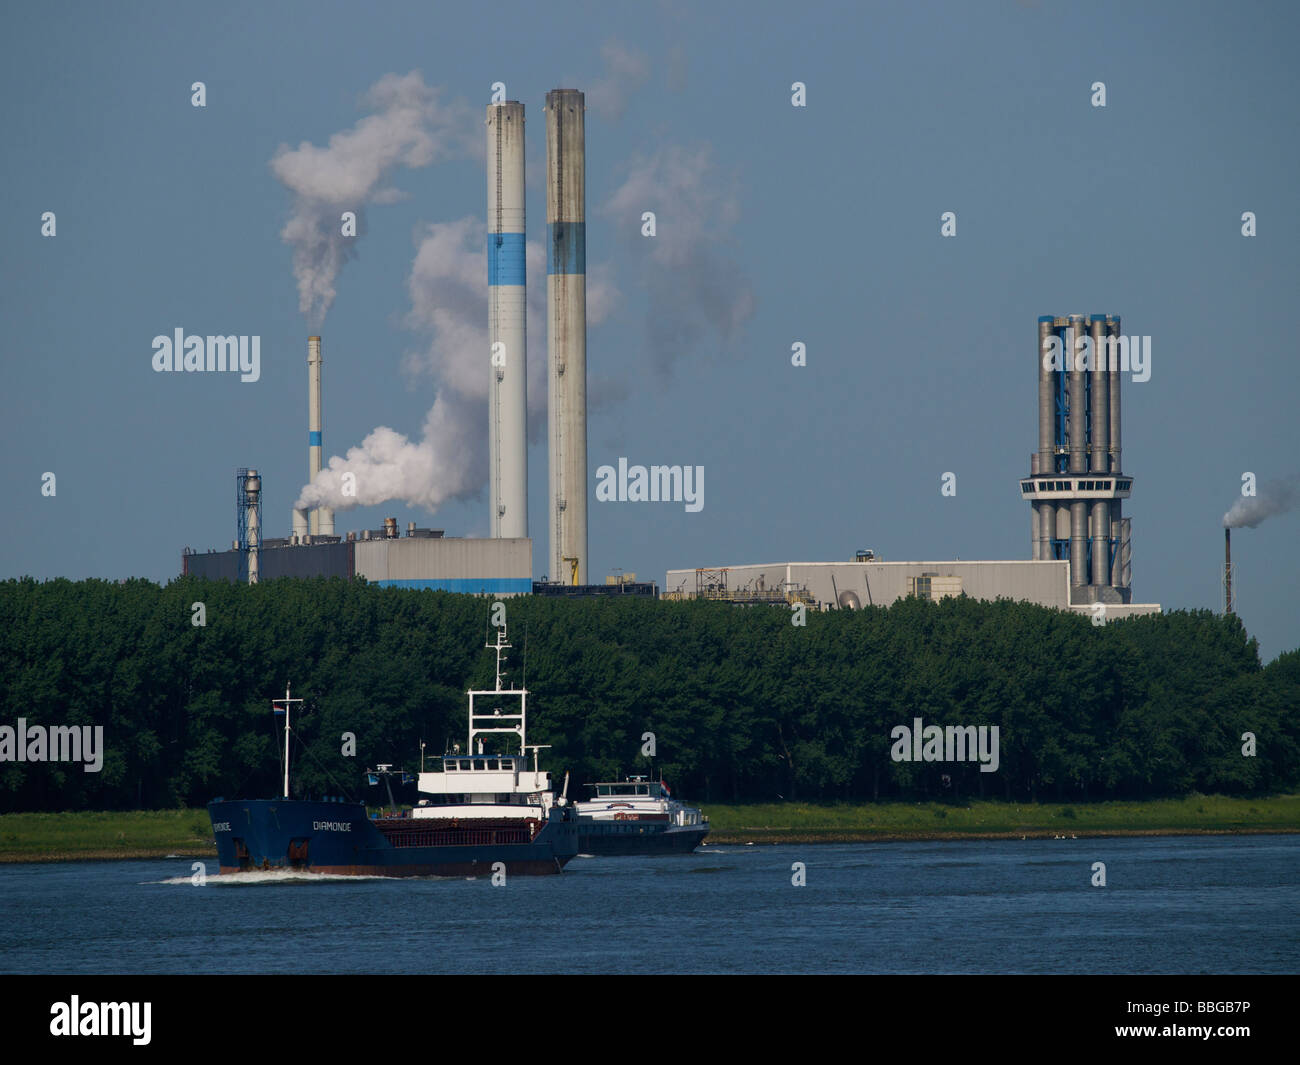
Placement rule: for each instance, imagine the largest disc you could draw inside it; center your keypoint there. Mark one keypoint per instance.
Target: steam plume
(407, 127)
(449, 303)
(693, 290)
(1274, 497)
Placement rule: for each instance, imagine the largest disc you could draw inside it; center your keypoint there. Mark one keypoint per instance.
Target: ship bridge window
(449, 765)
(507, 763)
(642, 789)
(466, 764)
(494, 763)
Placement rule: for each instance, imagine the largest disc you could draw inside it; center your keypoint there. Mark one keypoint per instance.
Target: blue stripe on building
(505, 259)
(568, 248)
(469, 585)
(313, 439)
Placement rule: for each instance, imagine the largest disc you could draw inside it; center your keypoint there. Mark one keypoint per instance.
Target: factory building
(868, 581)
(1080, 543)
(424, 558)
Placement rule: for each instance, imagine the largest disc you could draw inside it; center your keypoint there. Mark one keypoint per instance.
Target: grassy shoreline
(984, 819)
(100, 835)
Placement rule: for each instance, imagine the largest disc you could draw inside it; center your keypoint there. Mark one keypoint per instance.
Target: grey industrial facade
(452, 564)
(873, 582)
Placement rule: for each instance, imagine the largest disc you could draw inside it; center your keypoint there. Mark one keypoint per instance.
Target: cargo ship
(638, 816)
(483, 814)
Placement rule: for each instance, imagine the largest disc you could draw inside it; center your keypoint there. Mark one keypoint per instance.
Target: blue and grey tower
(507, 320)
(1076, 487)
(566, 348)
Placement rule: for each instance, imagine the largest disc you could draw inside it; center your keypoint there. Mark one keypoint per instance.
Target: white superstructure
(638, 799)
(500, 784)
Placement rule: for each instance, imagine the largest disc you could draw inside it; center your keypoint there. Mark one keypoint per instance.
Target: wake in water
(260, 877)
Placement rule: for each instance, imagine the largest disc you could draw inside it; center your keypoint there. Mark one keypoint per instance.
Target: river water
(1208, 904)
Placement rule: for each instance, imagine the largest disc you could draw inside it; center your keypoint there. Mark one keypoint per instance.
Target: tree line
(742, 704)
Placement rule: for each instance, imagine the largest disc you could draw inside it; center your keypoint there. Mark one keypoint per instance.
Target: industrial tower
(1076, 486)
(566, 339)
(507, 317)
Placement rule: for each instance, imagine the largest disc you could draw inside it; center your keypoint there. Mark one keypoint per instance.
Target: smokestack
(566, 341)
(253, 493)
(322, 518)
(1229, 607)
(507, 317)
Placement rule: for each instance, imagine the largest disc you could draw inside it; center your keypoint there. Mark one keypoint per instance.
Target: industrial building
(868, 581)
(1080, 543)
(423, 558)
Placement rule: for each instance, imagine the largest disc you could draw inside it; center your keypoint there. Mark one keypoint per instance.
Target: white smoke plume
(626, 70)
(449, 302)
(408, 127)
(1273, 498)
(442, 466)
(693, 288)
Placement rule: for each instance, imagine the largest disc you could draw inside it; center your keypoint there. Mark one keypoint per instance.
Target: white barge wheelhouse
(637, 816)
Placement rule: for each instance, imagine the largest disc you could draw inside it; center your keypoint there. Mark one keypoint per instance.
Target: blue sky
(777, 224)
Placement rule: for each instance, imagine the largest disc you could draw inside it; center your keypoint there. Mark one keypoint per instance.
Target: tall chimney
(566, 340)
(253, 493)
(322, 518)
(1229, 607)
(507, 318)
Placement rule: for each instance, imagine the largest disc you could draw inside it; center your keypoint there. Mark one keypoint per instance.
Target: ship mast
(275, 703)
(500, 720)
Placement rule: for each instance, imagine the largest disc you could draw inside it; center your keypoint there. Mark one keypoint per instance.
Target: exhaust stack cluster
(1076, 486)
(566, 301)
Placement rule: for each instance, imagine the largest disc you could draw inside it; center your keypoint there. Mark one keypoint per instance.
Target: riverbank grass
(792, 822)
(87, 834)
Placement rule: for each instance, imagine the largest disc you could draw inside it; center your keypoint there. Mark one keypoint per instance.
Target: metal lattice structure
(241, 522)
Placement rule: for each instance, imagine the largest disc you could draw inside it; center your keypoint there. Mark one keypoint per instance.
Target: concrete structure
(507, 317)
(1076, 486)
(566, 338)
(320, 522)
(421, 559)
(875, 583)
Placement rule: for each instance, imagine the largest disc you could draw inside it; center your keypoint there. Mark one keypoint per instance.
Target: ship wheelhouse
(480, 785)
(637, 799)
(484, 786)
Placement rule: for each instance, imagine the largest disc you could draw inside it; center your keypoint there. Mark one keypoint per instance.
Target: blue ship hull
(338, 837)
